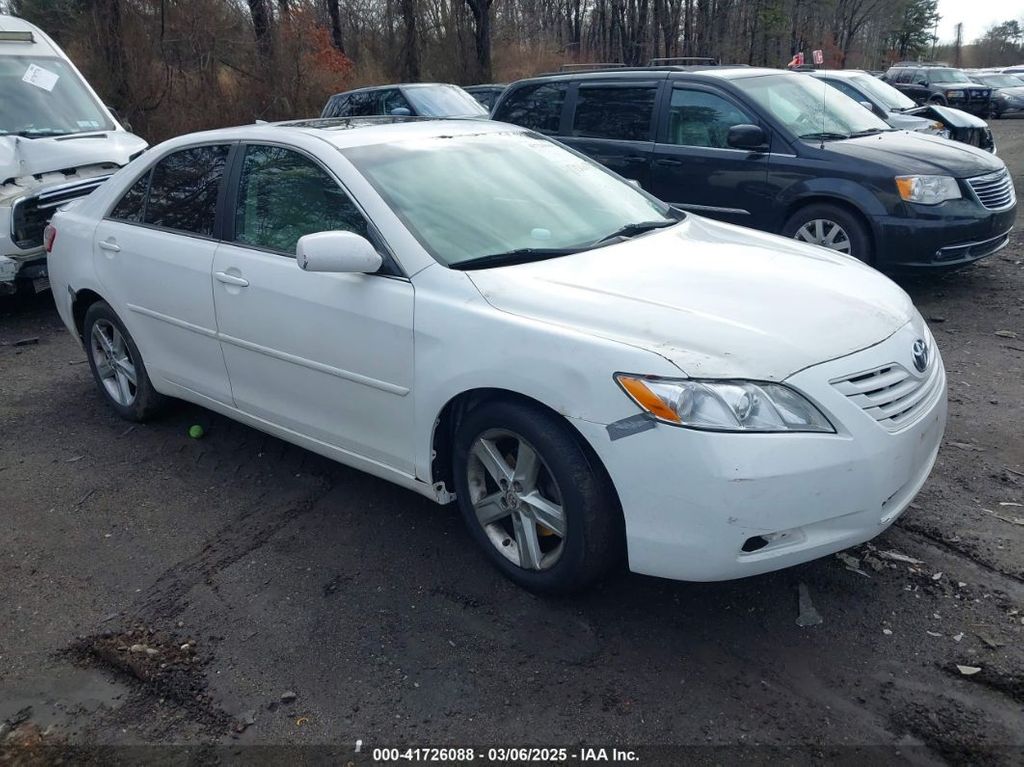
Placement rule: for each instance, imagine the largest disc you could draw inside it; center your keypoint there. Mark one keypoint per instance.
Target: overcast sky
(976, 15)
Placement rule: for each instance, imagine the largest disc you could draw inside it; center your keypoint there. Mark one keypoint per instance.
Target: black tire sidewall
(592, 542)
(147, 400)
(860, 238)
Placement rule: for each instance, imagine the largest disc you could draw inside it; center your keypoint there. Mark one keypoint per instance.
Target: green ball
(195, 431)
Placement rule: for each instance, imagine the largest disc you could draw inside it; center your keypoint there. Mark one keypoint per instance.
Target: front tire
(117, 365)
(533, 499)
(832, 227)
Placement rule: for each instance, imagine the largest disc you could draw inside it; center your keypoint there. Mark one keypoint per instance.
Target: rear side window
(903, 76)
(362, 104)
(183, 191)
(698, 118)
(842, 87)
(614, 112)
(336, 106)
(537, 107)
(283, 195)
(131, 206)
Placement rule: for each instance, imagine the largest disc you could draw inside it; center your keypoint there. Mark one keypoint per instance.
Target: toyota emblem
(920, 355)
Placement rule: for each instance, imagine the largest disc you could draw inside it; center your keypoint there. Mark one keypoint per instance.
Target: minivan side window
(537, 107)
(130, 207)
(699, 118)
(615, 112)
(183, 191)
(283, 195)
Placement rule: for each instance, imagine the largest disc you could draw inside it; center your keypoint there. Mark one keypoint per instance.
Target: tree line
(170, 66)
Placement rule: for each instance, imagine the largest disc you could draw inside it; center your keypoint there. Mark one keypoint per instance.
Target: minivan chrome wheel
(828, 234)
(114, 364)
(516, 499)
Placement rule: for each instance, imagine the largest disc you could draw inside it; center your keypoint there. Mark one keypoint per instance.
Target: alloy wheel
(828, 234)
(516, 499)
(113, 361)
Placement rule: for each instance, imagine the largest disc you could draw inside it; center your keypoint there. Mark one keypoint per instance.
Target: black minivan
(782, 152)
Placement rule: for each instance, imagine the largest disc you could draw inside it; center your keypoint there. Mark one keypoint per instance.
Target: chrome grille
(891, 394)
(995, 190)
(30, 215)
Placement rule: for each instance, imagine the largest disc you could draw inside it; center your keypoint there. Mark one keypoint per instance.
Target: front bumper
(940, 237)
(693, 500)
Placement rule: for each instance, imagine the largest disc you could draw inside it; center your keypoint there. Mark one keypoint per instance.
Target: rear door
(695, 169)
(153, 256)
(613, 122)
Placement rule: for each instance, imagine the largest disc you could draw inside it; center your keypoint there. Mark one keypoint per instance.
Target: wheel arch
(80, 304)
(455, 409)
(840, 202)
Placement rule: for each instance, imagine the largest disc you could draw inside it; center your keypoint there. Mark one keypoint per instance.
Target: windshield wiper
(825, 136)
(518, 256)
(868, 132)
(631, 230)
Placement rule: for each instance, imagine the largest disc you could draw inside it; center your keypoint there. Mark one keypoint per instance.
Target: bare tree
(481, 10)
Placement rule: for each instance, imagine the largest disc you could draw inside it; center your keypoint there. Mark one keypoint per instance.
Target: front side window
(283, 195)
(884, 93)
(184, 187)
(393, 99)
(537, 107)
(698, 118)
(132, 205)
(361, 104)
(337, 106)
(473, 195)
(614, 112)
(42, 96)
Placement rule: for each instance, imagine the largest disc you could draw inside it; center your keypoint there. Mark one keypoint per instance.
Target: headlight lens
(954, 94)
(928, 190)
(745, 406)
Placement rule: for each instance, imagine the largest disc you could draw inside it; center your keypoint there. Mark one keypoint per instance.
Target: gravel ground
(235, 590)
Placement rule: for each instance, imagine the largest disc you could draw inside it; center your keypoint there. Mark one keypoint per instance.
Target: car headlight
(928, 190)
(954, 94)
(719, 405)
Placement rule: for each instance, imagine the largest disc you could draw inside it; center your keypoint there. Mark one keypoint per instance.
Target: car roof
(391, 86)
(728, 72)
(346, 132)
(41, 44)
(843, 74)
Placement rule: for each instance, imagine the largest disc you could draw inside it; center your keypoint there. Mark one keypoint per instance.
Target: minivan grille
(891, 394)
(31, 214)
(995, 190)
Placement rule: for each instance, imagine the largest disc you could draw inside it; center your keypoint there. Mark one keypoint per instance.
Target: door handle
(110, 245)
(664, 161)
(635, 158)
(231, 279)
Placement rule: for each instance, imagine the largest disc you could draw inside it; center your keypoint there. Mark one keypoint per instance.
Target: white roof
(41, 46)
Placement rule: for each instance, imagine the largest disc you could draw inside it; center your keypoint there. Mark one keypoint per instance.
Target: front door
(154, 254)
(329, 356)
(695, 169)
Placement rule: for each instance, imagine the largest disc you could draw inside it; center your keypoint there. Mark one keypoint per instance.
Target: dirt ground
(236, 591)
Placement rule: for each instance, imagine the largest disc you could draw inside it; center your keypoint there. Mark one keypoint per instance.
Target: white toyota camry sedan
(481, 315)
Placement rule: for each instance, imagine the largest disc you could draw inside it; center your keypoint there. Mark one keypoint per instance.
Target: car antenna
(824, 96)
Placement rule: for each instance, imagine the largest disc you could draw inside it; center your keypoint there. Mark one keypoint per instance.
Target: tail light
(49, 237)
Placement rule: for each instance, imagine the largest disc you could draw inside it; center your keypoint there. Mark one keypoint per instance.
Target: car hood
(953, 118)
(1015, 90)
(20, 157)
(953, 86)
(718, 301)
(906, 153)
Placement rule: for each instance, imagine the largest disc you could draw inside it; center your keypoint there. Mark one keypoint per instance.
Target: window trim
(390, 266)
(230, 143)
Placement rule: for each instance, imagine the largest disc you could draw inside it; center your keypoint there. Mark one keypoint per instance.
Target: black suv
(941, 85)
(782, 152)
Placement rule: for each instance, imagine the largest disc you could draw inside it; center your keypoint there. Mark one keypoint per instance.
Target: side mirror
(747, 137)
(401, 112)
(338, 252)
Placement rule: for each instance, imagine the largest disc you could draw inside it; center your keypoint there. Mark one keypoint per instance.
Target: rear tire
(833, 227)
(533, 500)
(117, 365)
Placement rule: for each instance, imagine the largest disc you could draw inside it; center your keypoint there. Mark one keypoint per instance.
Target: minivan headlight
(724, 405)
(928, 190)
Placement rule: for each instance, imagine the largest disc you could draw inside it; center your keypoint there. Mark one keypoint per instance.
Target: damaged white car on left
(58, 142)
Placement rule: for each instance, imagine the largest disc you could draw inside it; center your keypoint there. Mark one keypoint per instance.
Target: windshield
(443, 101)
(941, 75)
(808, 107)
(882, 92)
(45, 97)
(999, 81)
(469, 196)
